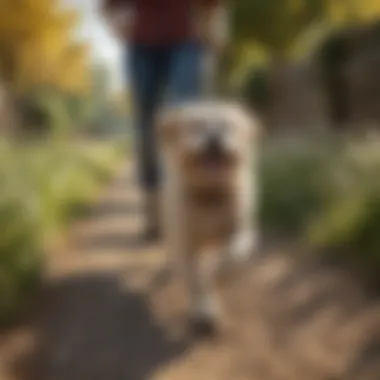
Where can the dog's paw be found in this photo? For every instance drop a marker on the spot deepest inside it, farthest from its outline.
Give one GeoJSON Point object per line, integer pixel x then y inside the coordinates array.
{"type": "Point", "coordinates": [243, 247]}
{"type": "Point", "coordinates": [203, 318]}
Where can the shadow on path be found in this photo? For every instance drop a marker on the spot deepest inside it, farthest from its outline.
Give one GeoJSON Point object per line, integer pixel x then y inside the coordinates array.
{"type": "Point", "coordinates": [90, 329]}
{"type": "Point", "coordinates": [108, 240]}
{"type": "Point", "coordinates": [114, 208]}
{"type": "Point", "coordinates": [289, 317]}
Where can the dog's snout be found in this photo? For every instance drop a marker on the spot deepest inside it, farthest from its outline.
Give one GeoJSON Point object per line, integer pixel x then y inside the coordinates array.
{"type": "Point", "coordinates": [214, 145]}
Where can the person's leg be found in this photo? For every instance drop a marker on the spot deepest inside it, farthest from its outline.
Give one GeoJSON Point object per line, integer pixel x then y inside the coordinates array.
{"type": "Point", "coordinates": [186, 72]}
{"type": "Point", "coordinates": [147, 75]}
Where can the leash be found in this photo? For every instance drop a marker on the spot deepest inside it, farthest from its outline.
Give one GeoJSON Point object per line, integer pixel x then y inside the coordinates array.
{"type": "Point", "coordinates": [210, 66]}
{"type": "Point", "coordinates": [219, 30]}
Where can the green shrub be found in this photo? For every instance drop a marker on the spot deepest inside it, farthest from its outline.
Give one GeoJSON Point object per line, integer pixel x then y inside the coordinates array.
{"type": "Point", "coordinates": [41, 185]}
{"type": "Point", "coordinates": [20, 256]}
{"type": "Point", "coordinates": [349, 223]}
{"type": "Point", "coordinates": [330, 198]}
{"type": "Point", "coordinates": [293, 185]}
{"type": "Point", "coordinates": [44, 111]}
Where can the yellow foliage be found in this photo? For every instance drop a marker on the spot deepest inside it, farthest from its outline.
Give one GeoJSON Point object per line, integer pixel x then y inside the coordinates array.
{"type": "Point", "coordinates": [245, 55]}
{"type": "Point", "coordinates": [36, 46]}
{"type": "Point", "coordinates": [345, 11]}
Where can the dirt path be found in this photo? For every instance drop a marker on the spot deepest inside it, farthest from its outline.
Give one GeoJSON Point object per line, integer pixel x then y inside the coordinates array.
{"type": "Point", "coordinates": [98, 318]}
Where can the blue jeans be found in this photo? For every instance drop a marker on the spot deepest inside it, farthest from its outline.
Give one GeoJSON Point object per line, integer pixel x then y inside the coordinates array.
{"type": "Point", "coordinates": [157, 72]}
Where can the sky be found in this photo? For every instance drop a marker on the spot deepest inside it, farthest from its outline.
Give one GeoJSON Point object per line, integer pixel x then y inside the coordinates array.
{"type": "Point", "coordinates": [104, 47]}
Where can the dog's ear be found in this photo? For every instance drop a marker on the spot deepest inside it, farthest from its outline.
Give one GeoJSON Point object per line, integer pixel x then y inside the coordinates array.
{"type": "Point", "coordinates": [252, 120]}
{"type": "Point", "coordinates": [167, 126]}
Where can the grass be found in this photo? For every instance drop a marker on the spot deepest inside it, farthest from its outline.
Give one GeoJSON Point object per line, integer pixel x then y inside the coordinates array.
{"type": "Point", "coordinates": [42, 187]}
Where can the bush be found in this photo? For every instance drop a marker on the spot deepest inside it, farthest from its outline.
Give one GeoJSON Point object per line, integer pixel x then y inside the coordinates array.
{"type": "Point", "coordinates": [50, 111]}
{"type": "Point", "coordinates": [330, 198]}
{"type": "Point", "coordinates": [41, 188]}
{"type": "Point", "coordinates": [20, 257]}
{"type": "Point", "coordinates": [44, 111]}
{"type": "Point", "coordinates": [349, 223]}
{"type": "Point", "coordinates": [292, 185]}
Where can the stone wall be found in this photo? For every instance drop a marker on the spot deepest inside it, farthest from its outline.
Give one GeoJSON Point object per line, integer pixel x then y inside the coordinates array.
{"type": "Point", "coordinates": [298, 102]}
{"type": "Point", "coordinates": [359, 75]}
{"type": "Point", "coordinates": [301, 98]}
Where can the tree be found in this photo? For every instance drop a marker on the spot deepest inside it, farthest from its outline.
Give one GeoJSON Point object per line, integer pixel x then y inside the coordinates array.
{"type": "Point", "coordinates": [343, 12]}
{"type": "Point", "coordinates": [274, 25]}
{"type": "Point", "coordinates": [36, 46]}
{"type": "Point", "coordinates": [269, 29]}
{"type": "Point", "coordinates": [41, 65]}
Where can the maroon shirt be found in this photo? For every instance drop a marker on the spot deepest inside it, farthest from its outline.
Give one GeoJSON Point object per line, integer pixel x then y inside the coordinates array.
{"type": "Point", "coordinates": [161, 22]}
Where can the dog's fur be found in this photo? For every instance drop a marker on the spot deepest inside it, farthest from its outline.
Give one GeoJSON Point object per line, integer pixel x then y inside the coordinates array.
{"type": "Point", "coordinates": [208, 195]}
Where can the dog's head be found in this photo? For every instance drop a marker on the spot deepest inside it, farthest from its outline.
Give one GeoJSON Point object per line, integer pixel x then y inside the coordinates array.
{"type": "Point", "coordinates": [208, 141]}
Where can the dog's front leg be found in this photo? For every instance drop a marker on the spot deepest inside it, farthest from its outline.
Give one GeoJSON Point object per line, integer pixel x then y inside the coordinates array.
{"type": "Point", "coordinates": [244, 241]}
{"type": "Point", "coordinates": [240, 247]}
{"type": "Point", "coordinates": [243, 244]}
{"type": "Point", "coordinates": [199, 278]}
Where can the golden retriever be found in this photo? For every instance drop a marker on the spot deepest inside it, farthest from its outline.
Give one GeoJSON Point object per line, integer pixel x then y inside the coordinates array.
{"type": "Point", "coordinates": [208, 195]}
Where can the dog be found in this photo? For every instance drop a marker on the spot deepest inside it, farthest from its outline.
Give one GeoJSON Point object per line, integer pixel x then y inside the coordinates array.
{"type": "Point", "coordinates": [209, 154]}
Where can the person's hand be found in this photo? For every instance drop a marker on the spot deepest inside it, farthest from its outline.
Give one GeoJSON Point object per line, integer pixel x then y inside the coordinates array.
{"type": "Point", "coordinates": [213, 29]}
{"type": "Point", "coordinates": [120, 20]}
{"type": "Point", "coordinates": [216, 45]}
